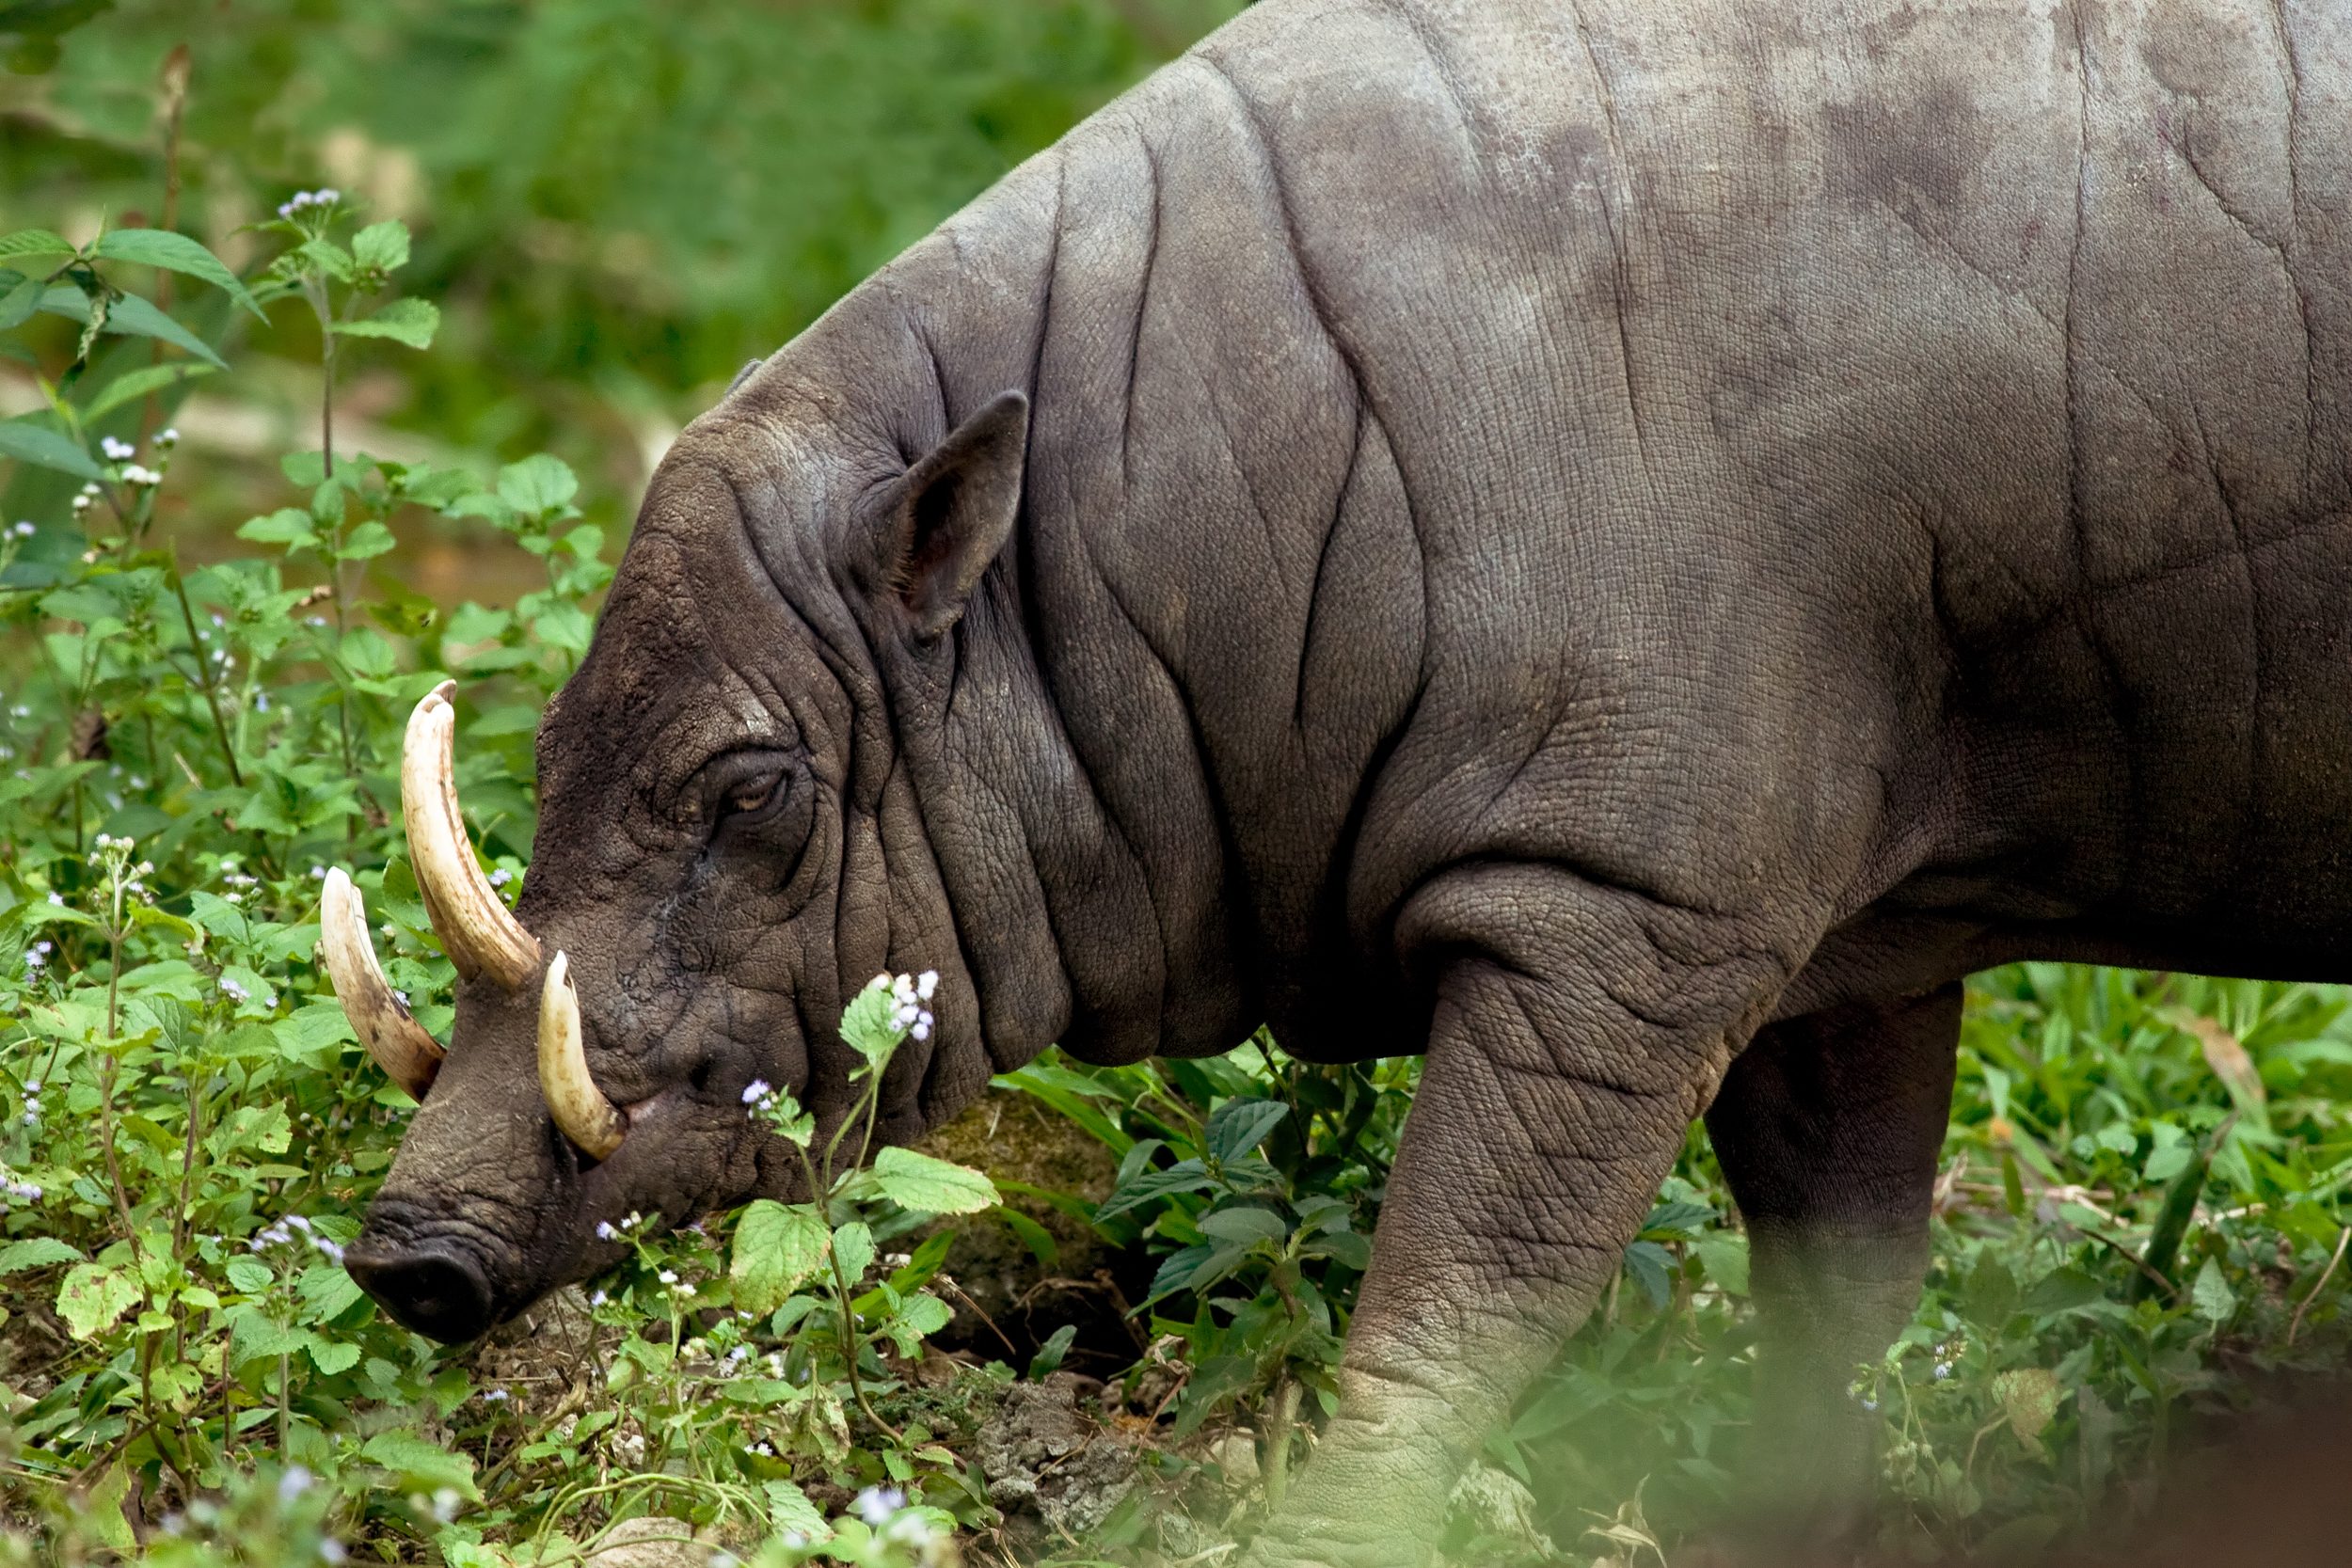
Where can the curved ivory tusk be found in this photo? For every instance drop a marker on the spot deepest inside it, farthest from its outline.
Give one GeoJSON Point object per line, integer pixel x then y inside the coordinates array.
{"type": "Point", "coordinates": [381, 1019]}
{"type": "Point", "coordinates": [477, 931]}
{"type": "Point", "coordinates": [580, 1107]}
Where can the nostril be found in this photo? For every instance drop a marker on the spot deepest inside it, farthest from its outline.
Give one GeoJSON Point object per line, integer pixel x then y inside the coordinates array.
{"type": "Point", "coordinates": [436, 1291]}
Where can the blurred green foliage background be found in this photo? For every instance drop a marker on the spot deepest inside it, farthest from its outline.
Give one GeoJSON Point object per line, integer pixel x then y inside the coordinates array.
{"type": "Point", "coordinates": [616, 203]}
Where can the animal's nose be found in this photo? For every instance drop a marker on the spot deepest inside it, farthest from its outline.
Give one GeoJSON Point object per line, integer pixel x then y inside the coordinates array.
{"type": "Point", "coordinates": [437, 1290]}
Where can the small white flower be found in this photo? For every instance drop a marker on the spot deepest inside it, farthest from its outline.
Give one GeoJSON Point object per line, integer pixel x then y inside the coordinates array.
{"type": "Point", "coordinates": [58, 899]}
{"type": "Point", "coordinates": [168, 436]}
{"type": "Point", "coordinates": [117, 451]}
{"type": "Point", "coordinates": [757, 1090]}
{"type": "Point", "coordinates": [605, 1232]}
{"type": "Point", "coordinates": [667, 1277]}
{"type": "Point", "coordinates": [500, 876]}
{"type": "Point", "coordinates": [24, 531]}
{"type": "Point", "coordinates": [926, 983]}
{"type": "Point", "coordinates": [876, 1504]}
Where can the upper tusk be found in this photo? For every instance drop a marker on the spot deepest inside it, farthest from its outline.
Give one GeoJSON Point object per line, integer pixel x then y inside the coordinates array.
{"type": "Point", "coordinates": [381, 1019]}
{"type": "Point", "coordinates": [477, 931]}
{"type": "Point", "coordinates": [580, 1107]}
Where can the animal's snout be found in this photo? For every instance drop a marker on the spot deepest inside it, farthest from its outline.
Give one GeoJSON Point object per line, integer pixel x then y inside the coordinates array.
{"type": "Point", "coordinates": [429, 1287]}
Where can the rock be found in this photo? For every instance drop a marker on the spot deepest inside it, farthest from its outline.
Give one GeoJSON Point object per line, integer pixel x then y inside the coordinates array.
{"type": "Point", "coordinates": [1047, 1460]}
{"type": "Point", "coordinates": [1235, 1455]}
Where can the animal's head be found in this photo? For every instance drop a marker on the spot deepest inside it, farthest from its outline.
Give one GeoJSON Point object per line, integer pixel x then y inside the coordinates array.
{"type": "Point", "coordinates": [728, 847]}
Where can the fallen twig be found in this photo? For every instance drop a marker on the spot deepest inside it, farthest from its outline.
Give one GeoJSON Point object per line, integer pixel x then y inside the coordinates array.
{"type": "Point", "coordinates": [2294, 1324]}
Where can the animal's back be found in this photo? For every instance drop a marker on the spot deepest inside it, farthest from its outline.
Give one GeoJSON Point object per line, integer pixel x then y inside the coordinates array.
{"type": "Point", "coordinates": [1893, 451]}
{"type": "Point", "coordinates": [1926, 419]}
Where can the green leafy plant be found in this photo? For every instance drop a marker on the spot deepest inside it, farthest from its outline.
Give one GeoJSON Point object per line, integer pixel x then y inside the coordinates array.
{"type": "Point", "coordinates": [191, 1130]}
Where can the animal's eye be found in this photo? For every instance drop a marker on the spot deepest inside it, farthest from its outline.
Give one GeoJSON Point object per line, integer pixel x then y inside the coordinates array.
{"type": "Point", "coordinates": [751, 794]}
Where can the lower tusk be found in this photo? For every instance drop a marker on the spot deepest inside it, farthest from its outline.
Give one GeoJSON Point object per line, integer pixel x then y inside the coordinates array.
{"type": "Point", "coordinates": [381, 1019]}
{"type": "Point", "coordinates": [580, 1108]}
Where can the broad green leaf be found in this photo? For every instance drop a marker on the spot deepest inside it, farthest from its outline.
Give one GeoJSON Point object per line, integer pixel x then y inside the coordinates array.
{"type": "Point", "coordinates": [2062, 1291]}
{"type": "Point", "coordinates": [289, 525]}
{"type": "Point", "coordinates": [1652, 1268]}
{"type": "Point", "coordinates": [867, 1028]}
{"type": "Point", "coordinates": [538, 485]}
{"type": "Point", "coordinates": [790, 1512]}
{"type": "Point", "coordinates": [932, 1186]}
{"type": "Point", "coordinates": [2211, 1296]}
{"type": "Point", "coordinates": [367, 541]}
{"type": "Point", "coordinates": [133, 385]}
{"type": "Point", "coordinates": [248, 1274]}
{"type": "Point", "coordinates": [101, 1510]}
{"type": "Point", "coordinates": [332, 1355]}
{"type": "Point", "coordinates": [93, 1296]}
{"type": "Point", "coordinates": [1244, 1223]}
{"type": "Point", "coordinates": [1047, 1361]}
{"type": "Point", "coordinates": [254, 1336]}
{"type": "Point", "coordinates": [1185, 1176]}
{"type": "Point", "coordinates": [1677, 1219]}
{"type": "Point", "coordinates": [35, 241]}
{"type": "Point", "coordinates": [1239, 1126]}
{"type": "Point", "coordinates": [421, 1465]}
{"type": "Point", "coordinates": [327, 256]}
{"type": "Point", "coordinates": [35, 1252]}
{"type": "Point", "coordinates": [1032, 1235]}
{"type": "Point", "coordinates": [1725, 1260]}
{"type": "Point", "coordinates": [1345, 1247]}
{"type": "Point", "coordinates": [405, 320]}
{"type": "Point", "coordinates": [20, 296]}
{"type": "Point", "coordinates": [853, 1249]}
{"type": "Point", "coordinates": [919, 1318]}
{"type": "Point", "coordinates": [778, 1247]}
{"type": "Point", "coordinates": [131, 316]}
{"type": "Point", "coordinates": [44, 448]}
{"type": "Point", "coordinates": [161, 247]}
{"type": "Point", "coordinates": [327, 1290]}
{"type": "Point", "coordinates": [382, 246]}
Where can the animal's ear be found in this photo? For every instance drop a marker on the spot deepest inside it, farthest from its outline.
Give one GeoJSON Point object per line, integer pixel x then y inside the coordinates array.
{"type": "Point", "coordinates": [945, 521]}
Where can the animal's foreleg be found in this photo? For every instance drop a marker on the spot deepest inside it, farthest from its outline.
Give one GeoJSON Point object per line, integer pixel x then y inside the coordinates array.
{"type": "Point", "coordinates": [1576, 1032]}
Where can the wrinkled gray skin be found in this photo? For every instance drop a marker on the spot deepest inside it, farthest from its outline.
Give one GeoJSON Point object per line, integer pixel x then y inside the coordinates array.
{"type": "Point", "coordinates": [1625, 546]}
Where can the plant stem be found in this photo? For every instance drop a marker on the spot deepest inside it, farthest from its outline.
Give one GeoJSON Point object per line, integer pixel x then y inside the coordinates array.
{"type": "Point", "coordinates": [1278, 1442]}
{"type": "Point", "coordinates": [850, 1348]}
{"type": "Point", "coordinates": [204, 673]}
{"type": "Point", "coordinates": [174, 89]}
{"type": "Point", "coordinates": [107, 1076]}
